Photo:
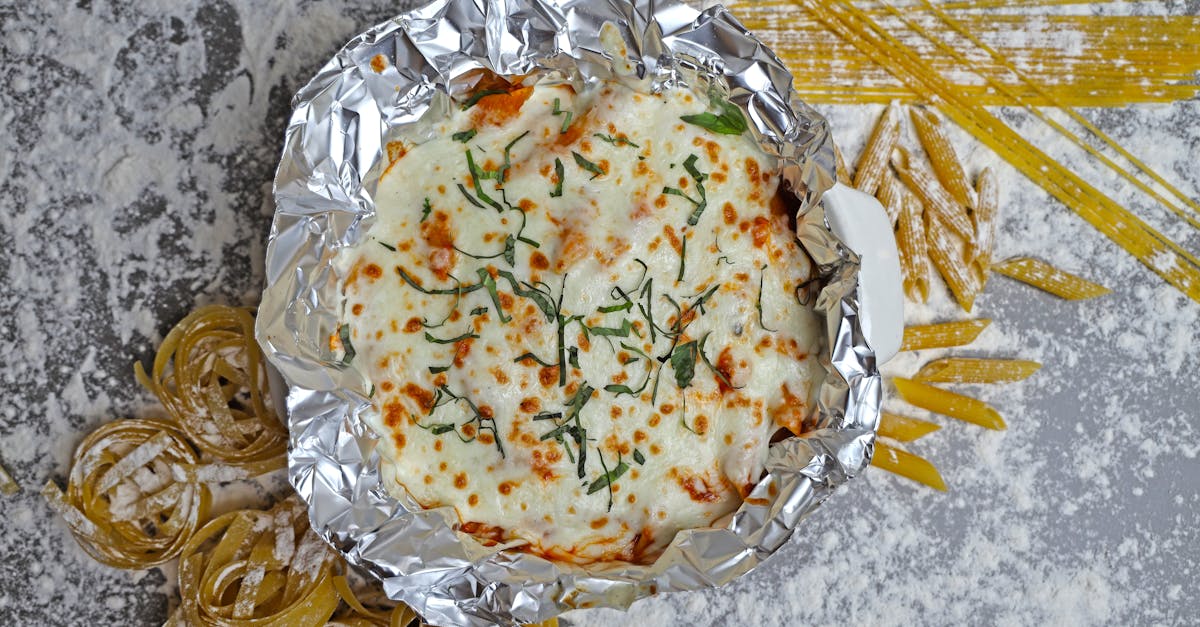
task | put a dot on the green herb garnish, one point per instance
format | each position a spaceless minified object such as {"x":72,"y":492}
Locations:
{"x":758,"y":304}
{"x":489,"y":284}
{"x":464,"y":136}
{"x":729,"y":120}
{"x":566,"y":121}
{"x":683,"y":362}
{"x":638,"y":457}
{"x":558,"y":173}
{"x":426,"y":208}
{"x":438,"y":369}
{"x":477,"y":177}
{"x":459,"y":290}
{"x":609,"y":478}
{"x":388,"y":246}
{"x":616,"y":141}
{"x":582,"y":162}
{"x":465,"y":336}
{"x":700,"y":178}
{"x":682,"y":260}
{"x":347,"y":348}
{"x":480,"y":95}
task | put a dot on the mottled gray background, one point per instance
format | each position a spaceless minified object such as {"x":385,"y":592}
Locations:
{"x":139,"y":140}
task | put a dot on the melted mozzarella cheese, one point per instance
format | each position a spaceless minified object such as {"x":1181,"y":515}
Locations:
{"x":557,"y":353}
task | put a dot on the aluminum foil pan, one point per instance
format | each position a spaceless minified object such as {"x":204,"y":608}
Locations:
{"x":323,"y":191}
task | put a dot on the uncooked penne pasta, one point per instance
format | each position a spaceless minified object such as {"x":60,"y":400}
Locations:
{"x":873,"y":162}
{"x":949,"y":403}
{"x":944,"y":335}
{"x":950,"y":259}
{"x":891,"y":196}
{"x":963,"y":370}
{"x":946,"y":165}
{"x":987,"y":203}
{"x":914,"y":251}
{"x":1047,"y":278}
{"x":903,"y":428}
{"x":843,"y":172}
{"x":938,"y":201}
{"x":907,"y":465}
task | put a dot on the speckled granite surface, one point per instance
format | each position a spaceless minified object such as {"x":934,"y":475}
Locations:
{"x":140,"y":138}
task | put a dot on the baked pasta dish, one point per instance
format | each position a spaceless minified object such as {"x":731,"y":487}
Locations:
{"x":584,"y":316}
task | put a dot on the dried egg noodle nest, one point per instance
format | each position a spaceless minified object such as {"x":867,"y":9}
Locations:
{"x":400,"y":77}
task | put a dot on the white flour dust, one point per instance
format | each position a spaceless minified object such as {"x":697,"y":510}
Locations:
{"x":141,"y":141}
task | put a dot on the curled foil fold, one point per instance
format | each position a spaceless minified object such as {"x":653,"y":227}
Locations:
{"x":333,"y":157}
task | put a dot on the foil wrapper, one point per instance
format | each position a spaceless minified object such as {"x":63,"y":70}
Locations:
{"x":331,"y":164}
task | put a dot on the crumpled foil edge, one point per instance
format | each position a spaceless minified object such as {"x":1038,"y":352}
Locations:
{"x":335,"y":143}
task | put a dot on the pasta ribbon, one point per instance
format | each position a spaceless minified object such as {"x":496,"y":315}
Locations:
{"x":873,"y":163}
{"x":211,"y":376}
{"x":358,"y":614}
{"x":962,"y":370}
{"x":1047,"y":278}
{"x":8,"y":487}
{"x":944,"y":335}
{"x":122,"y":502}
{"x":907,"y":465}
{"x":251,"y":568}
{"x":903,"y":428}
{"x":950,"y":404}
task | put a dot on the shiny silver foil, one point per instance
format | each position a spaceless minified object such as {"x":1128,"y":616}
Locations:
{"x":323,"y":190}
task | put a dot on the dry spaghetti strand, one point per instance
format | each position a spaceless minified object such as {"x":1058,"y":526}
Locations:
{"x":1164,"y":256}
{"x":123,"y":504}
{"x":253,"y":568}
{"x":210,"y":375}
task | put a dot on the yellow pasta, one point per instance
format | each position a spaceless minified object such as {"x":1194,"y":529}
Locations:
{"x":948,"y":403}
{"x":987,"y":192}
{"x":946,"y":165}
{"x":1047,"y":278}
{"x":7,"y":486}
{"x":903,"y":428}
{"x":963,"y":370}
{"x":938,"y":202}
{"x":914,"y":251}
{"x":843,"y":172}
{"x":210,"y":375}
{"x":891,"y":196}
{"x":1077,"y":71}
{"x":253,"y":568}
{"x":357,"y":614}
{"x":123,"y":503}
{"x":1169,"y":259}
{"x":944,"y":335}
{"x":907,"y":465}
{"x":951,"y":260}
{"x":873,"y":162}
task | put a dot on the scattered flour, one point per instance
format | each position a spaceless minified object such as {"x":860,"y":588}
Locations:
{"x":141,"y":139}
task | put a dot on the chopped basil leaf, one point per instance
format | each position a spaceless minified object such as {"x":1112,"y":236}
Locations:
{"x":438,"y":369}
{"x":729,"y":121}
{"x":347,"y":348}
{"x":442,"y":428}
{"x":426,"y":208}
{"x":465,"y":336}
{"x":558,"y":174}
{"x":464,"y":136}
{"x":758,"y":303}
{"x":489,"y":284}
{"x":480,"y":95}
{"x":388,"y":246}
{"x":638,"y":457}
{"x":616,"y":141}
{"x":582,"y":162}
{"x":683,"y":362}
